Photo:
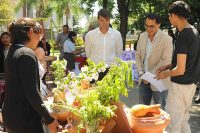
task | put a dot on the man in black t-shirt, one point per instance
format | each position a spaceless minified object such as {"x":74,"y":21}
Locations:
{"x":183,"y":70}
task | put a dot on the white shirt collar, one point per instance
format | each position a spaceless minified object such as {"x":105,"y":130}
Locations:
{"x":155,"y":36}
{"x":99,"y":31}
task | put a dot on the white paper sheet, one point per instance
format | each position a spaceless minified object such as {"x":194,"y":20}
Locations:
{"x":150,"y":77}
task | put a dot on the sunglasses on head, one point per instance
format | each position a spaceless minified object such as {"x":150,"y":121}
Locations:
{"x":36,"y":29}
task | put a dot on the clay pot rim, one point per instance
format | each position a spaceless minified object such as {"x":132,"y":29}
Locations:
{"x":61,"y":112}
{"x":162,"y":113}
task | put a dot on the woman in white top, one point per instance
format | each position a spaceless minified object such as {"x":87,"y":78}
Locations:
{"x":40,"y":54}
{"x":69,"y":50}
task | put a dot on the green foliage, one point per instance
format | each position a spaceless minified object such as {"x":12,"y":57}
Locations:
{"x":139,"y":9}
{"x":66,"y":7}
{"x":45,"y":8}
{"x":88,"y":5}
{"x":115,"y":82}
{"x":93,"y":110}
{"x":6,"y":11}
{"x":59,"y":70}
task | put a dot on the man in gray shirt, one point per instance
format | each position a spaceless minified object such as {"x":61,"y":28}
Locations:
{"x":61,"y":39}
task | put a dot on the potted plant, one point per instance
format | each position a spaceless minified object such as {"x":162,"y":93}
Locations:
{"x":94,"y":103}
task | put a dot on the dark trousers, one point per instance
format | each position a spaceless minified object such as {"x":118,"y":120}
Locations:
{"x":146,"y":94}
{"x":69,"y":57}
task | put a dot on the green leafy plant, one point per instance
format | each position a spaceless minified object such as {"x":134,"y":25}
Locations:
{"x":94,"y":102}
{"x":59,"y":70}
{"x":115,"y":82}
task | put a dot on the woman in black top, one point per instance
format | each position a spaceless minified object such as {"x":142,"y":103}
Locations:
{"x":5,"y":43}
{"x":23,"y":111}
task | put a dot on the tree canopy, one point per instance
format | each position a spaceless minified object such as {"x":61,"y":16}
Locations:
{"x":131,"y":13}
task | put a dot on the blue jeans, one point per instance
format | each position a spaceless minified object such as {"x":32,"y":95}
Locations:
{"x":145,"y":95}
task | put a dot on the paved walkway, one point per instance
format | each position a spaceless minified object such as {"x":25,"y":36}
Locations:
{"x":194,"y":121}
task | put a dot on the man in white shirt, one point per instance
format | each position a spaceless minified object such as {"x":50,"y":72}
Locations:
{"x":103,"y":44}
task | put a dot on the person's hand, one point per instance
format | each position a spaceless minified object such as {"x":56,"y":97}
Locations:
{"x":54,"y":126}
{"x":161,"y":75}
{"x":162,"y":68}
{"x":1,"y":119}
{"x":145,"y":82}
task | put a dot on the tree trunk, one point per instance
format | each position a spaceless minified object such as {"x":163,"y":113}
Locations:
{"x":123,"y":6}
{"x":105,"y":4}
{"x":40,"y":14}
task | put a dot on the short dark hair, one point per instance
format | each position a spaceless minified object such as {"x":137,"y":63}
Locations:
{"x":181,"y":9}
{"x":66,"y":26}
{"x":154,"y":16}
{"x":71,"y":35}
{"x":19,"y":29}
{"x":103,"y":13}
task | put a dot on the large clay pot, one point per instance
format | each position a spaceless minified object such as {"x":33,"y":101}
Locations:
{"x":155,"y":124}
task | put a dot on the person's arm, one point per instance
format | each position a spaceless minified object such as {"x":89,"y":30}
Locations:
{"x":164,"y":68}
{"x":138,"y":57}
{"x":178,"y":70}
{"x":88,"y":44}
{"x":119,"y":46}
{"x":27,"y":68}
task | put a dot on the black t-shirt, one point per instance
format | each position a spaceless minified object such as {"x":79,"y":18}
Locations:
{"x":187,"y":42}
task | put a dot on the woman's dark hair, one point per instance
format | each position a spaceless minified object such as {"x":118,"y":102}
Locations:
{"x":19,"y":30}
{"x":154,"y":16}
{"x":181,"y":9}
{"x":71,"y":35}
{"x":5,"y":33}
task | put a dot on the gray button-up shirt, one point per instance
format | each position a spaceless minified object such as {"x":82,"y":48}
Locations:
{"x":61,"y":38}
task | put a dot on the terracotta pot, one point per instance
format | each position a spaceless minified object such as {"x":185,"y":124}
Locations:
{"x":74,"y":129}
{"x":119,"y":123}
{"x":154,"y":124}
{"x":61,"y":116}
{"x":85,"y":84}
